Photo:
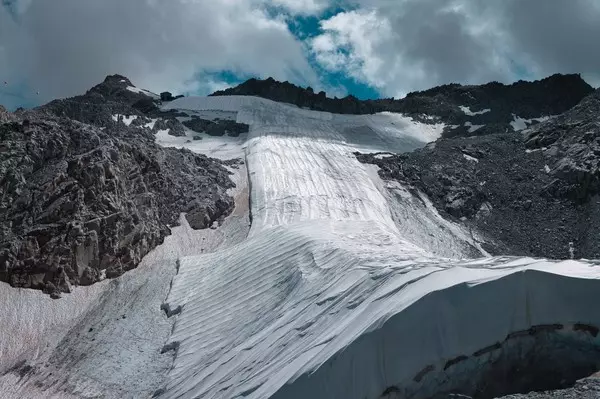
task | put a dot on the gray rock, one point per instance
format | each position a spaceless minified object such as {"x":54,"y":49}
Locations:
{"x":80,"y":200}
{"x":525,"y":201}
{"x":574,"y":157}
{"x":219,"y":127}
{"x":173,"y":125}
{"x":587,"y":388}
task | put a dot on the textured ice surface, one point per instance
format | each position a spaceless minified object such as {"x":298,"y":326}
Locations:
{"x":331,"y":294}
{"x":342,"y":286}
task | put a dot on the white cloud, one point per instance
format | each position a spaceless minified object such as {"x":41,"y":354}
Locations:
{"x":349,"y":43}
{"x":300,"y":7}
{"x":63,"y":47}
{"x":404,"y":45}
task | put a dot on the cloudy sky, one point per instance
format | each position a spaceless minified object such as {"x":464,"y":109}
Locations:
{"x":369,"y":48}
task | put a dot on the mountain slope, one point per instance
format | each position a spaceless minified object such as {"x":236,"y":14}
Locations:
{"x":494,"y":107}
{"x":324,"y":281}
{"x":541,"y":184}
{"x":87,"y":201}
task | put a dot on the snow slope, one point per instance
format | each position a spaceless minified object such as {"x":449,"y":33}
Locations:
{"x":331,"y":296}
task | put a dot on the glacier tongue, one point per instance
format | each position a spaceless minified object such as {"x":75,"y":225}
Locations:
{"x":327,"y":298}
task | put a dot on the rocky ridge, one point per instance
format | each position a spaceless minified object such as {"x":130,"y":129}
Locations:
{"x":532,"y":193}
{"x":86,"y":191}
{"x":117,"y":96}
{"x":466,"y":110}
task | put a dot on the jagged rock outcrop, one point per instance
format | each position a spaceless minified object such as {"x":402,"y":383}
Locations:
{"x":534,"y":193}
{"x":167,"y":96}
{"x":287,"y":92}
{"x":571,"y":143}
{"x":84,"y":201}
{"x":527,"y":100}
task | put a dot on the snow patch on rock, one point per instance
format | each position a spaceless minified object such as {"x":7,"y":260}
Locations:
{"x":470,"y":158}
{"x":126,"y":119}
{"x":142,"y":91}
{"x":473,"y":128}
{"x":467,"y":111}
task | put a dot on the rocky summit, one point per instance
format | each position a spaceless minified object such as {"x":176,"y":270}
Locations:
{"x":86,"y":192}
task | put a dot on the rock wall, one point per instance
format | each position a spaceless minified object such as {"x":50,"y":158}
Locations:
{"x":84,"y":201}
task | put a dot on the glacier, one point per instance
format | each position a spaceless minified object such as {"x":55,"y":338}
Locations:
{"x":327,"y":297}
{"x":326,"y":282}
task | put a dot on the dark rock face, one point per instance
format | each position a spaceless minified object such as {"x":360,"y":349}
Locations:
{"x":289,"y":93}
{"x":112,"y":97}
{"x":526,"y":200}
{"x":572,"y":144}
{"x":81,"y":201}
{"x":551,"y":96}
{"x":173,"y":125}
{"x":167,"y":96}
{"x":218,"y":127}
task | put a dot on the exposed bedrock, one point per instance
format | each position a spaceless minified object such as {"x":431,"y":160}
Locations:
{"x":533,"y":193}
{"x":83,"y":201}
{"x":218,"y":127}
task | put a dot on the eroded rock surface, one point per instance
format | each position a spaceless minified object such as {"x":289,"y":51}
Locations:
{"x":571,"y":143}
{"x":533,"y":193}
{"x":85,"y":196}
{"x":217,"y":127}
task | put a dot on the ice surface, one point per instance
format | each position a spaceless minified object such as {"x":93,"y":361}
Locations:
{"x":150,"y":125}
{"x":221,"y":147}
{"x":328,"y":296}
{"x":341,"y":286}
{"x":468,"y":111}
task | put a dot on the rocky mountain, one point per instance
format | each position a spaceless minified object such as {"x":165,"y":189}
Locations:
{"x":466,"y":110}
{"x":86,"y":192}
{"x":531,"y":193}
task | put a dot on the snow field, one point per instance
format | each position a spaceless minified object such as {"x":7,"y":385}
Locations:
{"x":318,"y":301}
